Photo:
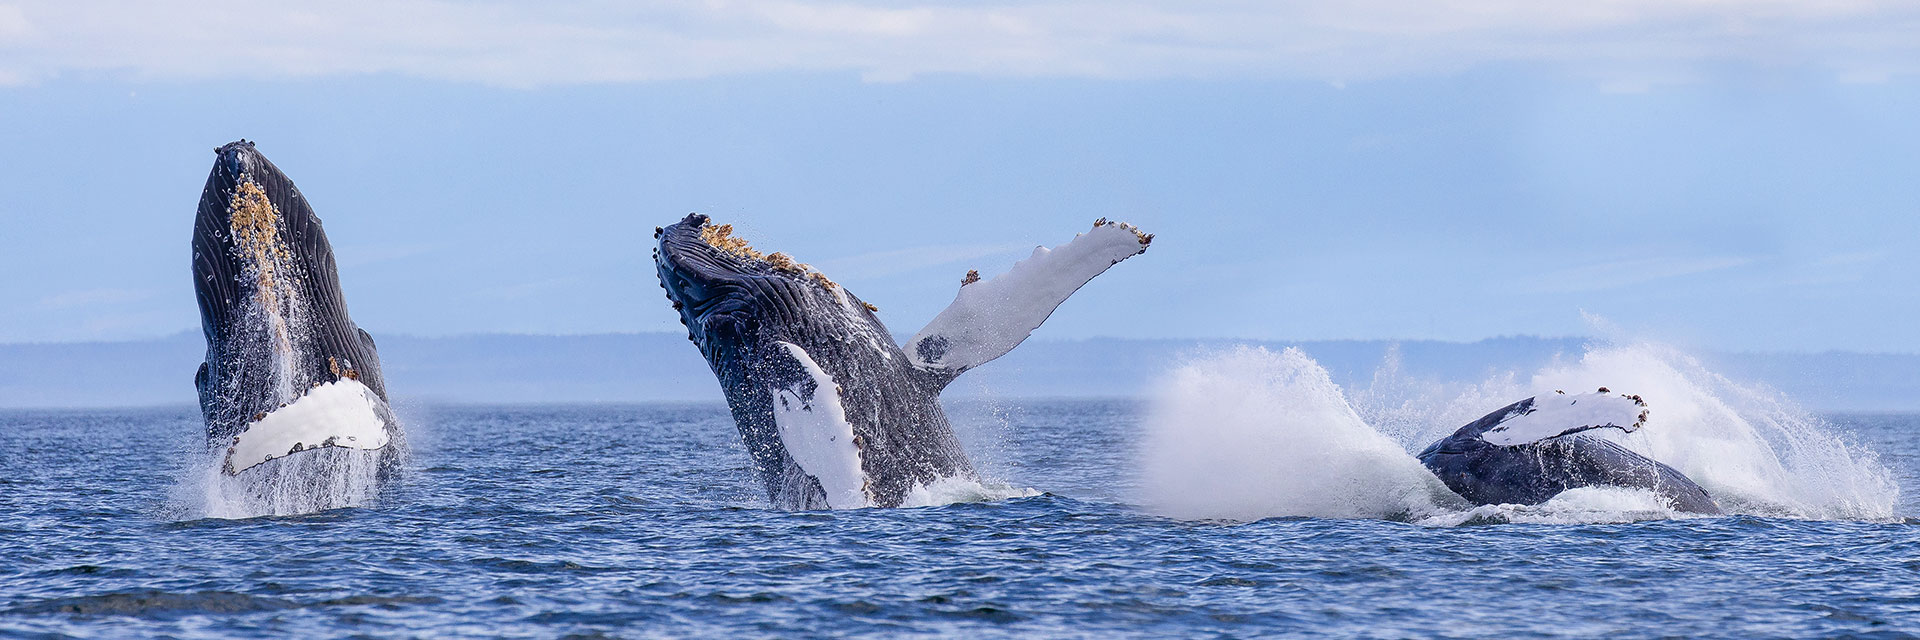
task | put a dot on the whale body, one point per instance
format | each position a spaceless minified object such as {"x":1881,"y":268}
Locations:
{"x":833,"y":413}
{"x":290,"y":386}
{"x":1532,"y":450}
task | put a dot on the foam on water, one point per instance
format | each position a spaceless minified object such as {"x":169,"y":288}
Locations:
{"x":947,"y":491}
{"x":305,"y":482}
{"x":1589,"y":505}
{"x":1249,"y":434}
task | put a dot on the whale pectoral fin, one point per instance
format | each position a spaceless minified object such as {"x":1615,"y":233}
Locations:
{"x":1560,"y":414}
{"x":200,"y":388}
{"x":813,"y":427}
{"x":989,"y":318}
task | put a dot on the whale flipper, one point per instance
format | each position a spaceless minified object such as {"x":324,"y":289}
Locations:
{"x":1551,"y":416}
{"x":203,"y":391}
{"x":989,"y":318}
{"x":1530,"y":451}
{"x":812,"y":423}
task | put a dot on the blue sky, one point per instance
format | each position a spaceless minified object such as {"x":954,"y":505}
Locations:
{"x":1728,"y":177}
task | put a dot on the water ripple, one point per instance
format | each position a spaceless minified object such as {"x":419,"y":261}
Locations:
{"x":643,"y":521}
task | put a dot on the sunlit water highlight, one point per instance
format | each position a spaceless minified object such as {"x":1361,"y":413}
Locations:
{"x":644,"y":521}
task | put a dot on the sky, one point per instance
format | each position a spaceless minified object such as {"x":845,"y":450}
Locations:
{"x":1727,"y":175}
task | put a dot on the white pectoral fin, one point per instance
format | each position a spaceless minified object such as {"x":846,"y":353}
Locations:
{"x":1560,"y":414}
{"x":343,"y":413}
{"x":813,"y":427}
{"x":989,"y":318}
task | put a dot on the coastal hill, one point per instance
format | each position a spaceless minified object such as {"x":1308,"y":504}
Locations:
{"x":646,"y":367}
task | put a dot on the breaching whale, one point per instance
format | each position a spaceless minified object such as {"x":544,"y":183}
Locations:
{"x":833,"y":413}
{"x":288,"y":377}
{"x":1530,"y":451}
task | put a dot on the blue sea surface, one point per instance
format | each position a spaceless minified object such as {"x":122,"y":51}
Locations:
{"x":642,"y":521}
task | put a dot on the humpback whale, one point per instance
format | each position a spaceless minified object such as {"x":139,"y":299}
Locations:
{"x":1530,"y":451}
{"x":287,"y":374}
{"x":833,"y":413}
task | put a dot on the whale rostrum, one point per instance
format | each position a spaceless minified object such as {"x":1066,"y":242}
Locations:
{"x":833,"y":413}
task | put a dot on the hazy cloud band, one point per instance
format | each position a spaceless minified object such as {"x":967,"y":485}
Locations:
{"x":1626,"y":43}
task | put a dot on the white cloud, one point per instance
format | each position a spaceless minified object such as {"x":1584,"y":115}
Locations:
{"x":1835,"y":269}
{"x":1626,"y":273}
{"x":1622,"y":43}
{"x":13,"y":23}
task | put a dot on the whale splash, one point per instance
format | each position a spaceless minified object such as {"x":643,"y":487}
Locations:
{"x":1251,"y":433}
{"x":316,"y":481}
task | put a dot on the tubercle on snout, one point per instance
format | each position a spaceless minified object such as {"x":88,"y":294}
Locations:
{"x":721,"y":238}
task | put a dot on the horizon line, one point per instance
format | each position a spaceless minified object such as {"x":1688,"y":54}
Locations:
{"x":189,"y":333}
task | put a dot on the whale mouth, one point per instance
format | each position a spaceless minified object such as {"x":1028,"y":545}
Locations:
{"x":343,"y":413}
{"x":699,"y":261}
{"x":727,"y":292}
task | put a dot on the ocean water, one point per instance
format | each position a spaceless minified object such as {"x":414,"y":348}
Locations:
{"x":1249,"y":498}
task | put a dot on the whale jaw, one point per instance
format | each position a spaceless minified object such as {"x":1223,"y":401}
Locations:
{"x":344,"y":414}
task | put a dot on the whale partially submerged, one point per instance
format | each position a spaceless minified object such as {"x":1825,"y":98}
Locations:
{"x":833,"y":413}
{"x":289,"y":382}
{"x":1532,"y":450}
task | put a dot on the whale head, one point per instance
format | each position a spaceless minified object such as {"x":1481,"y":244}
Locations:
{"x":808,"y":370}
{"x":258,"y":248}
{"x":734,"y":299}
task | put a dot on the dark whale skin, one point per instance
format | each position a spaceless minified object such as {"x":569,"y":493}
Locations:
{"x":254,"y":366}
{"x":736,"y":310}
{"x":1532,"y":473}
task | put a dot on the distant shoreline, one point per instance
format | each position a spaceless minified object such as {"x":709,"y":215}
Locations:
{"x":526,"y":370}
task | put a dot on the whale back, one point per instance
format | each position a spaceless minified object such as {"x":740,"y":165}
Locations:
{"x":1535,"y":471}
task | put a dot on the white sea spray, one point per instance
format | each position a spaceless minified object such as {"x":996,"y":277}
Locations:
{"x":1250,"y":433}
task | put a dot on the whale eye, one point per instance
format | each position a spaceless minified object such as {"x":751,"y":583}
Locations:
{"x":688,"y":289}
